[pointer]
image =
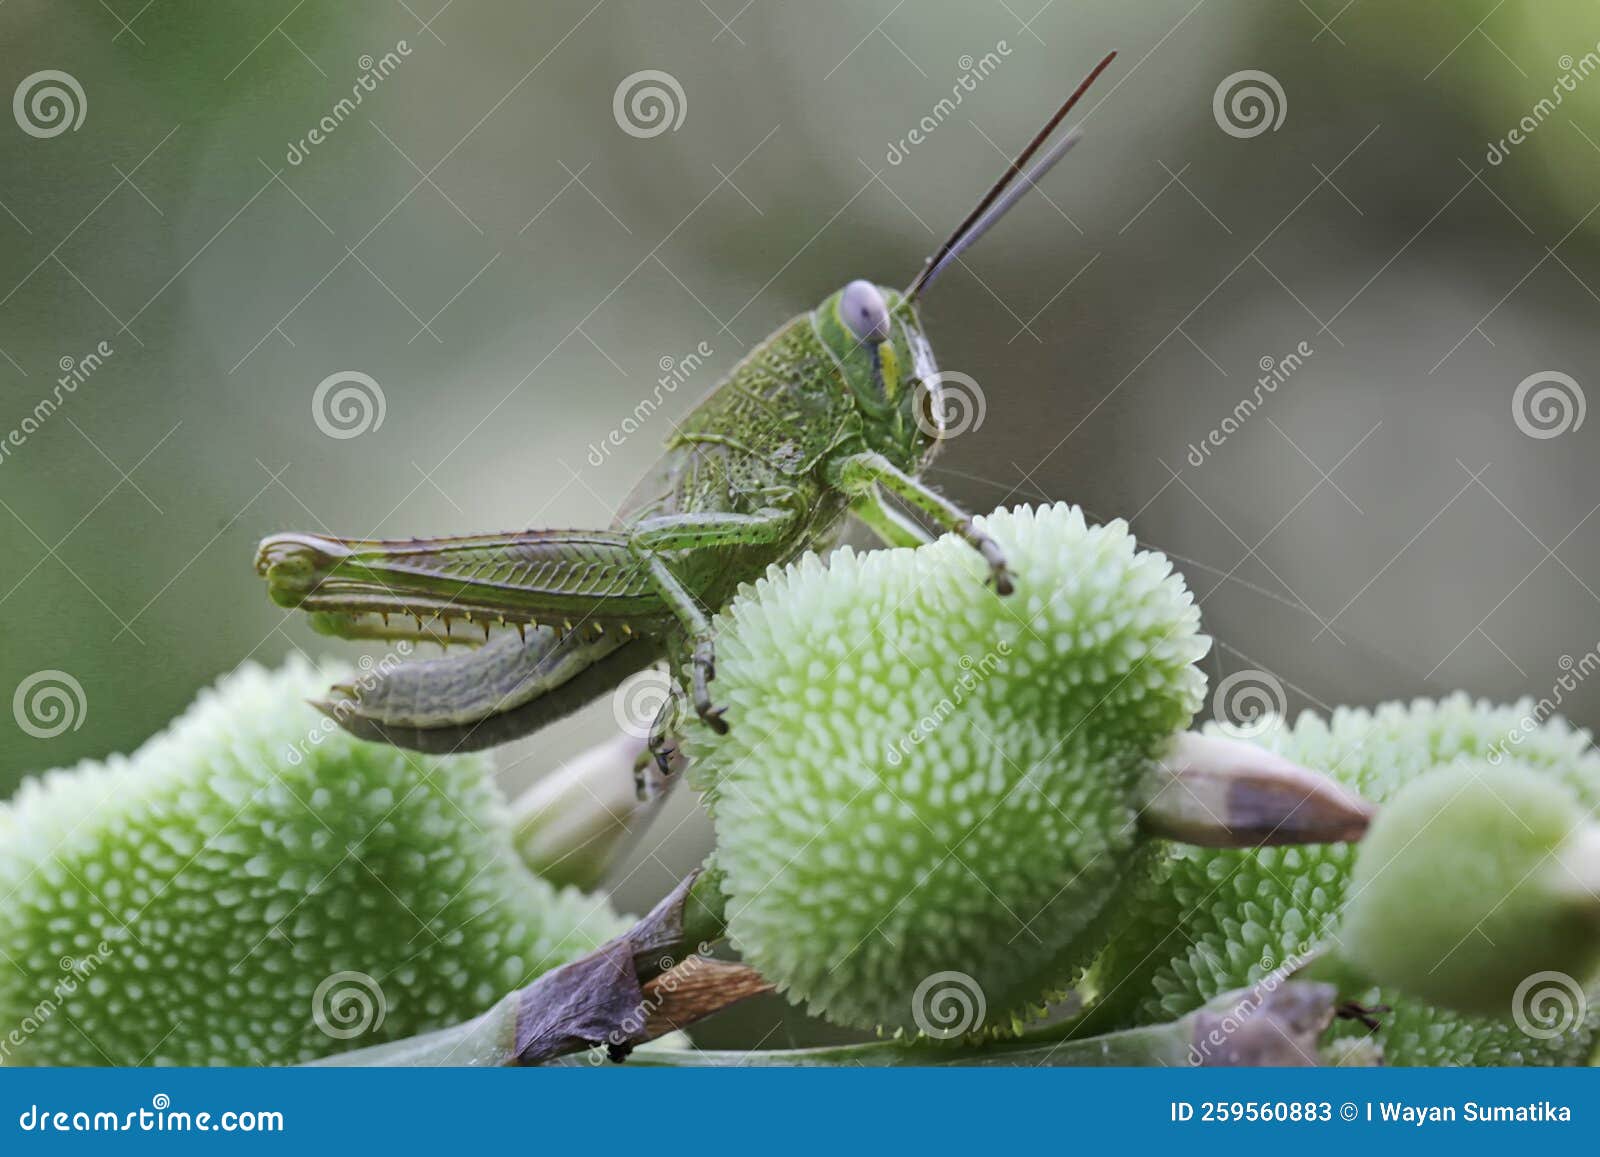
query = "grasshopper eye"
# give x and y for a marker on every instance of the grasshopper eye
(863, 311)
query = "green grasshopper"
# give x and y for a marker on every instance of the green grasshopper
(837, 409)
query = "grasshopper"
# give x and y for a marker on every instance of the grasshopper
(838, 409)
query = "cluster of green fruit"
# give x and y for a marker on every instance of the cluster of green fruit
(923, 783)
(895, 803)
(254, 887)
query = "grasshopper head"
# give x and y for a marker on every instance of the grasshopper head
(875, 337)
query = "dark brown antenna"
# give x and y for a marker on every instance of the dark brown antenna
(959, 236)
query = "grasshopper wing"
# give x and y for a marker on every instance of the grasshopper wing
(532, 577)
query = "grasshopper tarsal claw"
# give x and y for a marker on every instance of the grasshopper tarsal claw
(652, 775)
(1000, 578)
(999, 573)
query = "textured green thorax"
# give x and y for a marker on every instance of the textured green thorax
(810, 391)
(923, 778)
(197, 902)
(781, 407)
(1207, 921)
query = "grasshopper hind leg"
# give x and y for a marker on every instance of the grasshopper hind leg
(488, 696)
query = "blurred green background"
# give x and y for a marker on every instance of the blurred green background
(483, 238)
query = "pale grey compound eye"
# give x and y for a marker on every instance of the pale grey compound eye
(863, 311)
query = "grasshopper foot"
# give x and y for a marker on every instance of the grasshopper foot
(999, 573)
(705, 669)
(652, 775)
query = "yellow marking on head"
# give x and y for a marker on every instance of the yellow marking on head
(889, 361)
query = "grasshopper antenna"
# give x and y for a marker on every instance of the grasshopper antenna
(1006, 192)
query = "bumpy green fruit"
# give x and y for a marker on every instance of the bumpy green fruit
(253, 886)
(1472, 880)
(926, 795)
(1207, 921)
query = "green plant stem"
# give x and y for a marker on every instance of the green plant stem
(1165, 1044)
(1255, 1026)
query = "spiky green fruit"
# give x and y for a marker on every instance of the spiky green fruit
(1209, 921)
(256, 886)
(927, 792)
(1472, 880)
